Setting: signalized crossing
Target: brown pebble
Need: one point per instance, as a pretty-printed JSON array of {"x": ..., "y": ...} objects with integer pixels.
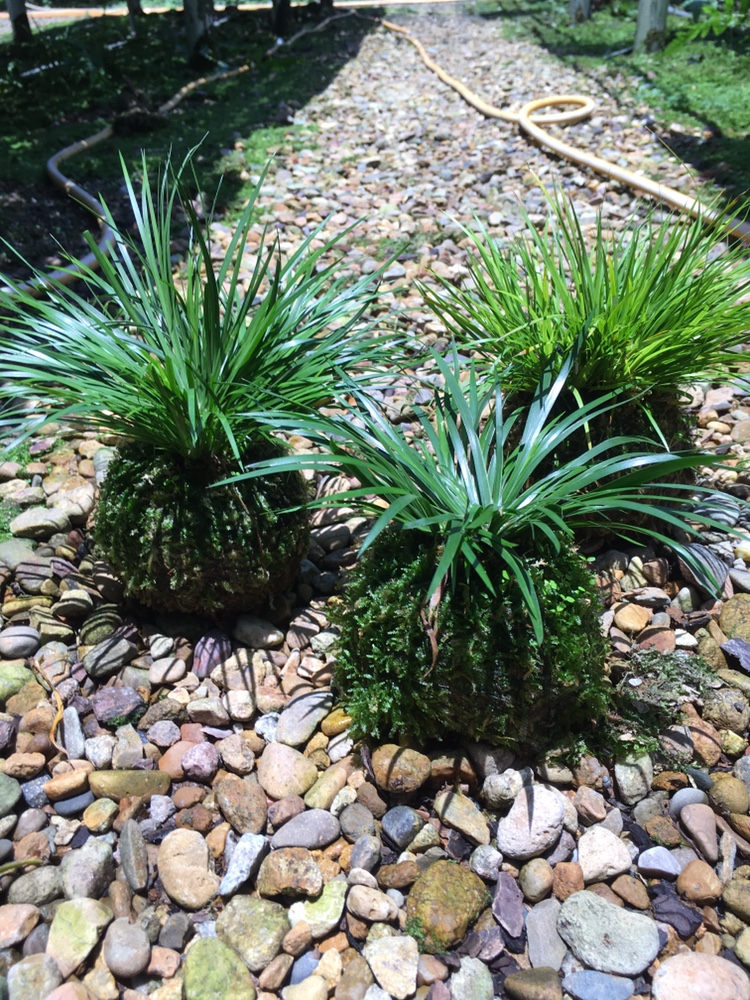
[
  {"x": 398, "y": 876},
  {"x": 632, "y": 890},
  {"x": 297, "y": 940},
  {"x": 368, "y": 795},
  {"x": 66, "y": 785},
  {"x": 283, "y": 810},
  {"x": 662, "y": 831},
  {"x": 567, "y": 878},
  {"x": 120, "y": 896},
  {"x": 699, "y": 883},
  {"x": 197, "y": 818},
  {"x": 216, "y": 839},
  {"x": 274, "y": 974},
  {"x": 358, "y": 929},
  {"x": 192, "y": 732},
  {"x": 338, "y": 941},
  {"x": 129, "y": 808},
  {"x": 604, "y": 892},
  {"x": 24, "y": 766},
  {"x": 164, "y": 962},
  {"x": 171, "y": 760},
  {"x": 431, "y": 970},
  {"x": 670, "y": 781},
  {"x": 33, "y": 845},
  {"x": 188, "y": 795}
]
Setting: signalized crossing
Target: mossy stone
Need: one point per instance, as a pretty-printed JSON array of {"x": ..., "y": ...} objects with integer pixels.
[
  {"x": 735, "y": 617},
  {"x": 443, "y": 903},
  {"x": 214, "y": 972},
  {"x": 254, "y": 928},
  {"x": 13, "y": 676},
  {"x": 182, "y": 544}
]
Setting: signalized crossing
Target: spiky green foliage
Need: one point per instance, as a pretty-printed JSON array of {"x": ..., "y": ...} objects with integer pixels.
[
  {"x": 181, "y": 546},
  {"x": 183, "y": 363},
  {"x": 492, "y": 678},
  {"x": 480, "y": 483},
  {"x": 657, "y": 304}
]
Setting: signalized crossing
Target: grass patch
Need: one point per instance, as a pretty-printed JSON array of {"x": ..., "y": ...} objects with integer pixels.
[
  {"x": 74, "y": 79},
  {"x": 705, "y": 85}
]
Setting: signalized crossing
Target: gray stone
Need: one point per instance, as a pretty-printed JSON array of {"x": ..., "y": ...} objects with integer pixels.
[
  {"x": 32, "y": 977},
  {"x": 658, "y": 862},
  {"x": 685, "y": 797},
  {"x": 176, "y": 932},
  {"x": 401, "y": 825},
  {"x": 634, "y": 776},
  {"x": 302, "y": 716},
  {"x": 74, "y": 805},
  {"x": 356, "y": 821},
  {"x": 88, "y": 871},
  {"x": 314, "y": 829},
  {"x": 393, "y": 961},
  {"x": 40, "y": 886},
  {"x": 127, "y": 949},
  {"x": 246, "y": 858},
  {"x": 108, "y": 657},
  {"x": 366, "y": 853},
  {"x": 533, "y": 824},
  {"x": 72, "y": 733},
  {"x": 606, "y": 937},
  {"x": 485, "y": 861},
  {"x": 473, "y": 981},
  {"x": 590, "y": 985},
  {"x": 18, "y": 642},
  {"x": 546, "y": 947},
  {"x": 39, "y": 522},
  {"x": 14, "y": 550},
  {"x": 134, "y": 856},
  {"x": 32, "y": 791}
]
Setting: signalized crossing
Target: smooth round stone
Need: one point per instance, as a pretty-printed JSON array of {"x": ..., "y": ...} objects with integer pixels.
[
  {"x": 590, "y": 985},
  {"x": 185, "y": 869},
  {"x": 201, "y": 762},
  {"x": 657, "y": 862},
  {"x": 356, "y": 820},
  {"x": 535, "y": 879},
  {"x": 127, "y": 949},
  {"x": 684, "y": 797},
  {"x": 401, "y": 825},
  {"x": 168, "y": 670},
  {"x": 18, "y": 642},
  {"x": 606, "y": 937},
  {"x": 602, "y": 855},
  {"x": 313, "y": 829},
  {"x": 699, "y": 883},
  {"x": 304, "y": 966},
  {"x": 74, "y": 805},
  {"x": 533, "y": 824},
  {"x": 696, "y": 974},
  {"x": 284, "y": 771}
]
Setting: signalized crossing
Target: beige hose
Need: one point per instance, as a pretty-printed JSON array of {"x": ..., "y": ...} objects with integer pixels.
[{"x": 583, "y": 108}]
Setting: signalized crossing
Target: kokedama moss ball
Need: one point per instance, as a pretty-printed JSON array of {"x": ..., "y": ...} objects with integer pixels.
[
  {"x": 181, "y": 545},
  {"x": 492, "y": 680}
]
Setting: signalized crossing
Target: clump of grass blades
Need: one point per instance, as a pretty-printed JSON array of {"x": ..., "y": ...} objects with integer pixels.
[
  {"x": 483, "y": 491},
  {"x": 182, "y": 366},
  {"x": 185, "y": 363},
  {"x": 658, "y": 305}
]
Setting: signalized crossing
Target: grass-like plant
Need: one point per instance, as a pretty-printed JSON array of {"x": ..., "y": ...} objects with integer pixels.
[
  {"x": 475, "y": 518},
  {"x": 659, "y": 304},
  {"x": 180, "y": 365}
]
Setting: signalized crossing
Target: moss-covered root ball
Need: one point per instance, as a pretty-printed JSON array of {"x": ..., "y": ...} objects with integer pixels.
[
  {"x": 491, "y": 680},
  {"x": 181, "y": 545}
]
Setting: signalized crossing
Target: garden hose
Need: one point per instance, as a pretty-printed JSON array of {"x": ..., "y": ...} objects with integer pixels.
[{"x": 527, "y": 118}]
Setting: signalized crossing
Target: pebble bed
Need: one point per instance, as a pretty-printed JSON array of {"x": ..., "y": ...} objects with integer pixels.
[{"x": 206, "y": 827}]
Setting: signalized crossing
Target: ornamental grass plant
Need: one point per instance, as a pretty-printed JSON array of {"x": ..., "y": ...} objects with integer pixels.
[
  {"x": 659, "y": 303},
  {"x": 469, "y": 608},
  {"x": 180, "y": 364}
]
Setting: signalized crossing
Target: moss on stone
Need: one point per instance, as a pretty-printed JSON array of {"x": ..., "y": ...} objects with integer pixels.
[{"x": 491, "y": 680}]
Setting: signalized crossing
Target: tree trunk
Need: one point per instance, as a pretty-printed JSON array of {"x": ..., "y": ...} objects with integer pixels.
[
  {"x": 580, "y": 10},
  {"x": 199, "y": 17},
  {"x": 651, "y": 26},
  {"x": 19, "y": 21},
  {"x": 281, "y": 10},
  {"x": 134, "y": 10}
]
